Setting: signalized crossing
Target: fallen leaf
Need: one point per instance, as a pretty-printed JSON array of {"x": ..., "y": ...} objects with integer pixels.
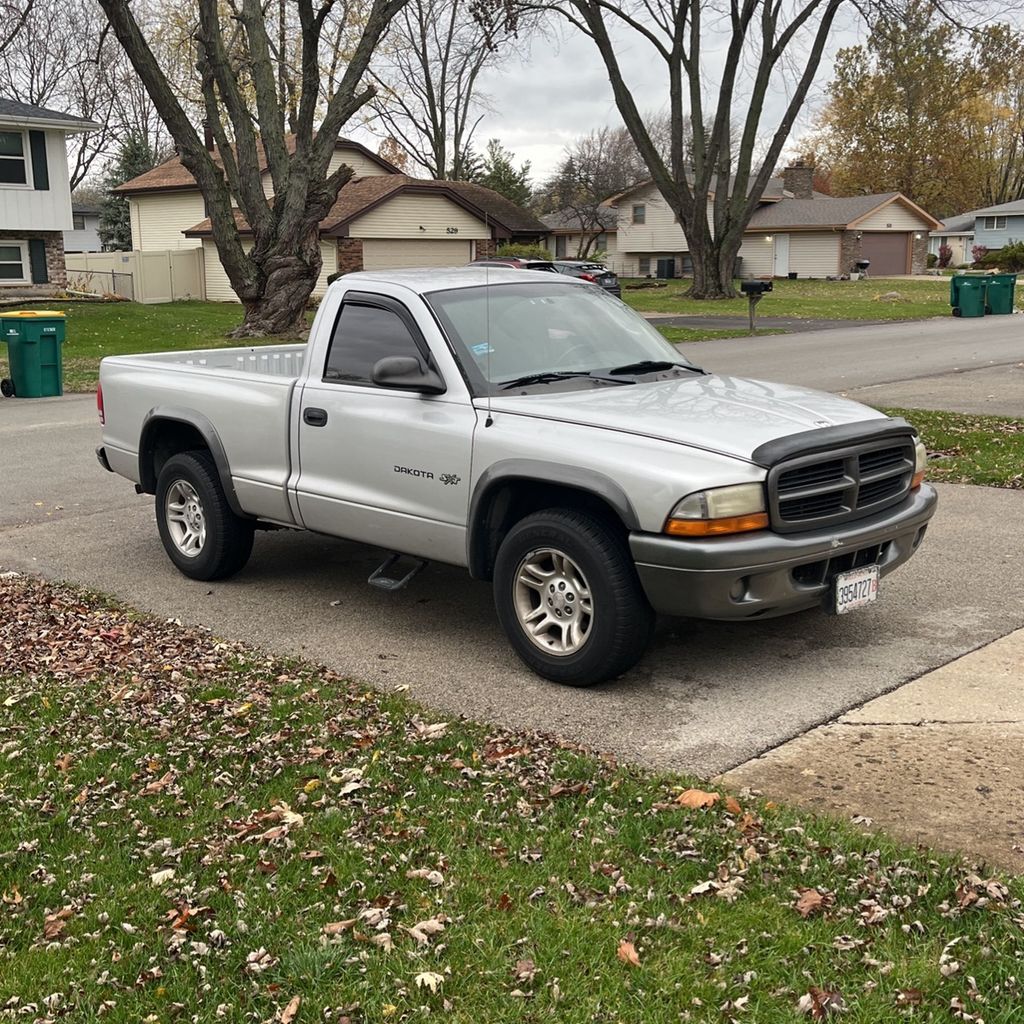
[
  {"x": 337, "y": 927},
  {"x": 429, "y": 979},
  {"x": 289, "y": 1013},
  {"x": 627, "y": 953},
  {"x": 809, "y": 902},
  {"x": 732, "y": 805},
  {"x": 525, "y": 970},
  {"x": 909, "y": 997},
  {"x": 425, "y": 929},
  {"x": 820, "y": 1002},
  {"x": 696, "y": 799},
  {"x": 159, "y": 877}
]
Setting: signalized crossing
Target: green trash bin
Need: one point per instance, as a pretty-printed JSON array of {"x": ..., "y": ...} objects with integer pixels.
[
  {"x": 1000, "y": 294},
  {"x": 34, "y": 338},
  {"x": 967, "y": 294}
]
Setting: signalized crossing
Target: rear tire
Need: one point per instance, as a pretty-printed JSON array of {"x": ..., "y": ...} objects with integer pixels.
[
  {"x": 7, "y": 388},
  {"x": 200, "y": 533},
  {"x": 569, "y": 599}
]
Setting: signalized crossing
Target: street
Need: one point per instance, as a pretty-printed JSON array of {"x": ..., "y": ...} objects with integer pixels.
[{"x": 707, "y": 697}]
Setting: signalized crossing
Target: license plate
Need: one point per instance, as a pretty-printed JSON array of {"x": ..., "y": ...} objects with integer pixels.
[{"x": 853, "y": 590}]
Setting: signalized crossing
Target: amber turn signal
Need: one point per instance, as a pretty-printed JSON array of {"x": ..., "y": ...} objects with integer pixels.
[
  {"x": 917, "y": 480},
  {"x": 716, "y": 527}
]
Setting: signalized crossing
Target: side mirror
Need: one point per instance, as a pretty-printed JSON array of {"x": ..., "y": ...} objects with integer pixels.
[{"x": 407, "y": 373}]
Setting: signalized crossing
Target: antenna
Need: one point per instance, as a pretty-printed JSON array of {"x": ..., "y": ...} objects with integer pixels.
[{"x": 489, "y": 422}]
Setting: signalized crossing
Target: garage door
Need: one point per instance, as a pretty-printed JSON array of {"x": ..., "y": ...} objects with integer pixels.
[
  {"x": 887, "y": 250},
  {"x": 394, "y": 253}
]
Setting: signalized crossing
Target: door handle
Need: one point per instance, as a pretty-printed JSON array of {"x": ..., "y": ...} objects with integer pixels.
[{"x": 315, "y": 417}]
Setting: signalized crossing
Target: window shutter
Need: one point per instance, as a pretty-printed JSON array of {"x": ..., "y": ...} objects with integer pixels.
[
  {"x": 40, "y": 172},
  {"x": 37, "y": 260}
]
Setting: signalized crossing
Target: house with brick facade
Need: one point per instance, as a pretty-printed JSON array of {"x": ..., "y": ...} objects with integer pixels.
[
  {"x": 383, "y": 219},
  {"x": 35, "y": 197},
  {"x": 795, "y": 231}
]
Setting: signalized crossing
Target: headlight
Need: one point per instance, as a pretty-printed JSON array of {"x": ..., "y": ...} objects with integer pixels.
[
  {"x": 735, "y": 509},
  {"x": 920, "y": 464}
]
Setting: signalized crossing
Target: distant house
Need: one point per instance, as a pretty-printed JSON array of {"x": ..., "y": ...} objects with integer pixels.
[
  {"x": 84, "y": 235},
  {"x": 383, "y": 219},
  {"x": 35, "y": 196},
  {"x": 958, "y": 234},
  {"x": 566, "y": 235},
  {"x": 794, "y": 231}
]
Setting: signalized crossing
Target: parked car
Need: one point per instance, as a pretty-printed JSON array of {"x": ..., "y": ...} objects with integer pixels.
[
  {"x": 537, "y": 432},
  {"x": 517, "y": 263},
  {"x": 588, "y": 270}
]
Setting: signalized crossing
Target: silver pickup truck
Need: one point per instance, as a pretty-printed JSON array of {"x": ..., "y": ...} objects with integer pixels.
[{"x": 538, "y": 432}]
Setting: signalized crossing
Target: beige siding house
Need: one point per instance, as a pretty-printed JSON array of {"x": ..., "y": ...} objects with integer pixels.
[
  {"x": 796, "y": 232},
  {"x": 567, "y": 236},
  {"x": 383, "y": 219}
]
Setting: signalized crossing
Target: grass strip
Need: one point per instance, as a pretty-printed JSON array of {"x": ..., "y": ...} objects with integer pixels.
[{"x": 195, "y": 831}]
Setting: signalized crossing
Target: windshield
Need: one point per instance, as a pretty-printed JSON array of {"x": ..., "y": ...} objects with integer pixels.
[{"x": 503, "y": 332}]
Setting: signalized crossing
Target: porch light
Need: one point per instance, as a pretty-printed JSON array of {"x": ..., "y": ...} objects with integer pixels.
[
  {"x": 918, "y": 236},
  {"x": 767, "y": 238}
]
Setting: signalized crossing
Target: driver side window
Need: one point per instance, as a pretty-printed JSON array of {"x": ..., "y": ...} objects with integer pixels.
[{"x": 362, "y": 336}]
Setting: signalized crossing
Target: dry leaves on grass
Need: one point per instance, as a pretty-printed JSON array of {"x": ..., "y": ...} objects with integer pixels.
[
  {"x": 697, "y": 799},
  {"x": 627, "y": 953},
  {"x": 821, "y": 1003}
]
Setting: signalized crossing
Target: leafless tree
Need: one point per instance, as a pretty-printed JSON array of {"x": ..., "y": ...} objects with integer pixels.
[
  {"x": 723, "y": 61},
  {"x": 13, "y": 15},
  {"x": 63, "y": 59},
  {"x": 595, "y": 167},
  {"x": 242, "y": 96},
  {"x": 428, "y": 98}
]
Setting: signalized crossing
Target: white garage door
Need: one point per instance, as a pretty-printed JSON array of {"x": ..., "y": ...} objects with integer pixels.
[{"x": 394, "y": 253}]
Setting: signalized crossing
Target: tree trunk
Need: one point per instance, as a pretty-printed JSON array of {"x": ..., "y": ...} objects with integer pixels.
[
  {"x": 713, "y": 260},
  {"x": 276, "y": 302}
]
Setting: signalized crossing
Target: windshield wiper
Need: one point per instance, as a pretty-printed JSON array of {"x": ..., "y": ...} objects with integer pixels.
[
  {"x": 653, "y": 366},
  {"x": 549, "y": 376}
]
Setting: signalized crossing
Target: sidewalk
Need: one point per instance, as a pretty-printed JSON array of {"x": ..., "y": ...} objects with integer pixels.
[{"x": 939, "y": 761}]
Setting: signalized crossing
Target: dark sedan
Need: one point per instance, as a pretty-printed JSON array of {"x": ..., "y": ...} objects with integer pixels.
[{"x": 588, "y": 270}]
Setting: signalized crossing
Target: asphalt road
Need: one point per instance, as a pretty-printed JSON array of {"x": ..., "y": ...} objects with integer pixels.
[{"x": 707, "y": 697}]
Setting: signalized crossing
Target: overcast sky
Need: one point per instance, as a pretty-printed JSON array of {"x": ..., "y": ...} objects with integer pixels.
[{"x": 556, "y": 89}]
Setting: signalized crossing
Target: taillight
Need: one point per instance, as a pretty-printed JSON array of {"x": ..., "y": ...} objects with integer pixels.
[
  {"x": 589, "y": 277},
  {"x": 99, "y": 404}
]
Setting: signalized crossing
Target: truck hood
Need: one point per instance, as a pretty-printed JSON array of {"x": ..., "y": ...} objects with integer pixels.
[{"x": 728, "y": 415}]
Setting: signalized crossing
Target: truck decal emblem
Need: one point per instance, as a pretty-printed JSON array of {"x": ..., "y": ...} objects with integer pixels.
[
  {"x": 450, "y": 479},
  {"x": 425, "y": 474}
]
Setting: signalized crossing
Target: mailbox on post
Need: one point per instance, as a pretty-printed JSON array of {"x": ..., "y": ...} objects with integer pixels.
[{"x": 753, "y": 291}]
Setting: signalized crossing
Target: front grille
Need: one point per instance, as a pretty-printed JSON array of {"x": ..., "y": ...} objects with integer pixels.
[{"x": 828, "y": 488}]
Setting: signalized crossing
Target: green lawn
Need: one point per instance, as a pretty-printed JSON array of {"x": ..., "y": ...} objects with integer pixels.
[
  {"x": 195, "y": 831},
  {"x": 986, "y": 450},
  {"x": 680, "y": 334},
  {"x": 825, "y": 300},
  {"x": 95, "y": 330}
]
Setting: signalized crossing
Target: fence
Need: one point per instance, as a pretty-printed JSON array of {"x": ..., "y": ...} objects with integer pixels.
[
  {"x": 106, "y": 282},
  {"x": 163, "y": 276}
]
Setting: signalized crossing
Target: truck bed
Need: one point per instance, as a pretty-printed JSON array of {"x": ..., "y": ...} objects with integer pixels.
[{"x": 244, "y": 393}]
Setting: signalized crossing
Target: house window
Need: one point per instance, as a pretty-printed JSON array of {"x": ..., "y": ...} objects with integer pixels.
[
  {"x": 79, "y": 221},
  {"x": 559, "y": 247},
  {"x": 601, "y": 243},
  {"x": 639, "y": 213},
  {"x": 645, "y": 266},
  {"x": 995, "y": 223},
  {"x": 14, "y": 263},
  {"x": 13, "y": 161}
]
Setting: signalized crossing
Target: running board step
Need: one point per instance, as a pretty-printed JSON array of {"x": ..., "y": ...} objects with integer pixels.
[{"x": 381, "y": 581}]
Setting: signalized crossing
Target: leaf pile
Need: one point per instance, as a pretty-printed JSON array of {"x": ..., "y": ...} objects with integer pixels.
[{"x": 193, "y": 831}]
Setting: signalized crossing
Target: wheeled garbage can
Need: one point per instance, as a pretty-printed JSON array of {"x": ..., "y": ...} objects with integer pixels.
[
  {"x": 999, "y": 299},
  {"x": 967, "y": 294},
  {"x": 34, "y": 338}
]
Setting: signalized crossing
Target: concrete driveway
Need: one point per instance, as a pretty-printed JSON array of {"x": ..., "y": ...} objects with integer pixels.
[{"x": 708, "y": 696}]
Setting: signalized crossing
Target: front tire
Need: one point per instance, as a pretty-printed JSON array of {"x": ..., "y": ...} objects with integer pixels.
[
  {"x": 568, "y": 598},
  {"x": 200, "y": 533}
]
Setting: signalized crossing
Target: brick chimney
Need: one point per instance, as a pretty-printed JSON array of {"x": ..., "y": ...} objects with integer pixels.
[{"x": 798, "y": 180}]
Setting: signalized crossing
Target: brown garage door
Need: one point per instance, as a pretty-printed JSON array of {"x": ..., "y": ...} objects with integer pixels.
[{"x": 888, "y": 252}]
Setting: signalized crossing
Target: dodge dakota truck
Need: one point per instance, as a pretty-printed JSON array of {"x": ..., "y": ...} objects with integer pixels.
[{"x": 536, "y": 431}]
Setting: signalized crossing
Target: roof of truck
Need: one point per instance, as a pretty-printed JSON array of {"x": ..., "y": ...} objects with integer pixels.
[{"x": 433, "y": 279}]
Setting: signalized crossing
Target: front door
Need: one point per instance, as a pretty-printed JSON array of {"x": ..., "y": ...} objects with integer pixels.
[
  {"x": 381, "y": 465},
  {"x": 781, "y": 268}
]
